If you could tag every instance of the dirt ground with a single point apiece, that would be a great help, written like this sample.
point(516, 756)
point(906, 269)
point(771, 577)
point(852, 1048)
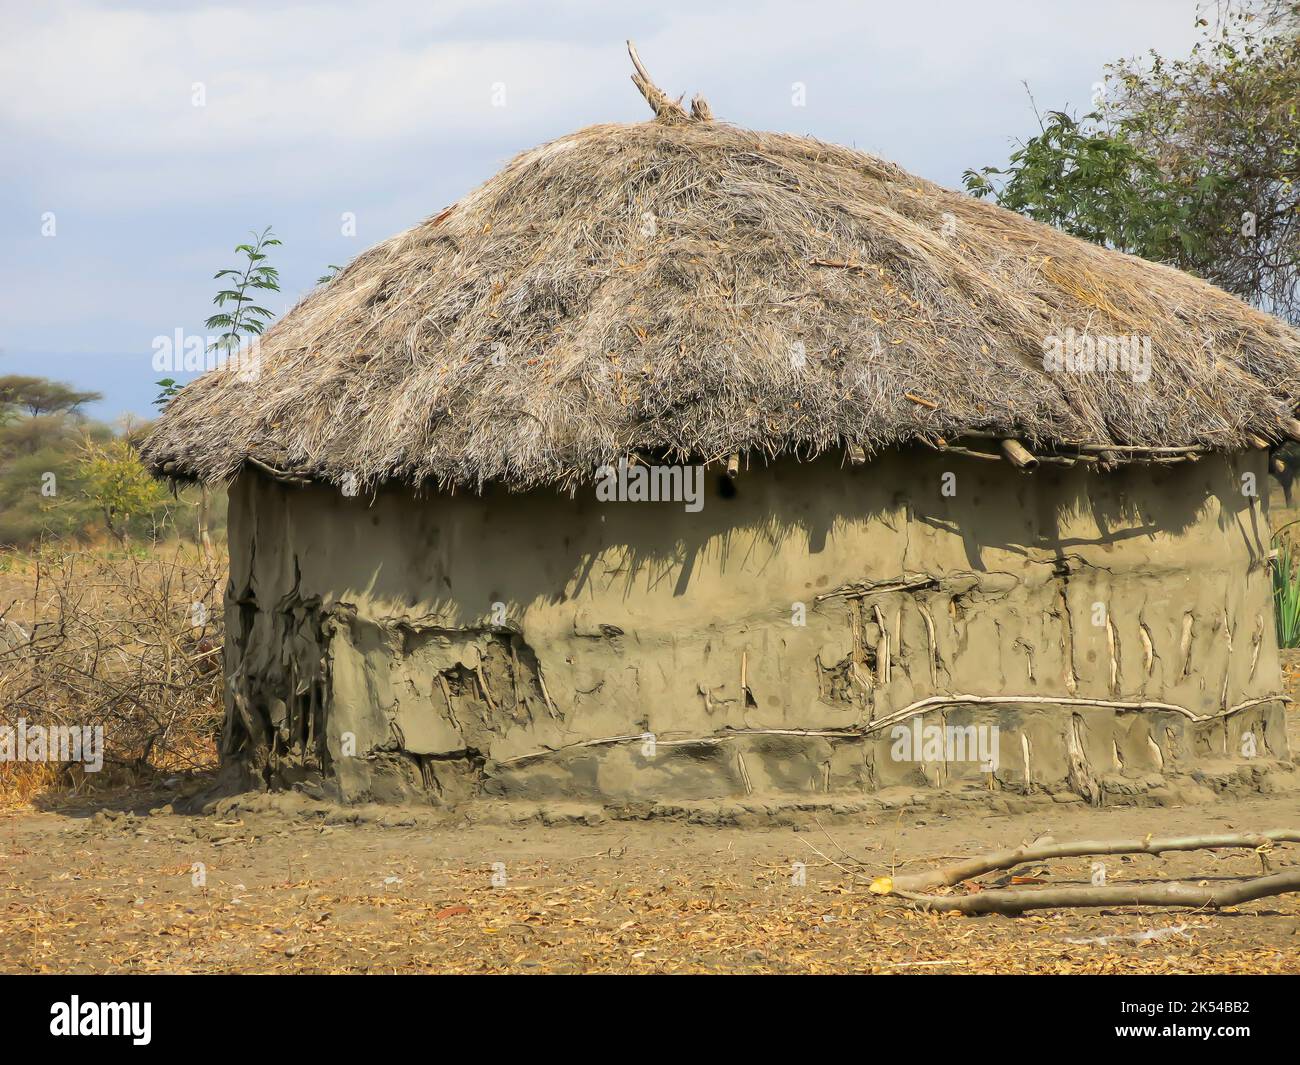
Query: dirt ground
point(120, 883)
point(93, 889)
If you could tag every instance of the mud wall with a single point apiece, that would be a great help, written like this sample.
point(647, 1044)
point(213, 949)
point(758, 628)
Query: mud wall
point(397, 648)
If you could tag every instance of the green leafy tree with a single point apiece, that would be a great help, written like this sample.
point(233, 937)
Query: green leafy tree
point(1224, 126)
point(1194, 162)
point(41, 496)
point(245, 318)
point(28, 435)
point(169, 387)
point(242, 317)
point(117, 484)
point(1080, 178)
point(45, 486)
point(41, 428)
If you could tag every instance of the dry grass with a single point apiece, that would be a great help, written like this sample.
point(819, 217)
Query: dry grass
point(687, 290)
point(132, 642)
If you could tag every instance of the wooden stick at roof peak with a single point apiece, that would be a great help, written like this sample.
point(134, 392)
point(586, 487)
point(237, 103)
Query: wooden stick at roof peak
point(665, 109)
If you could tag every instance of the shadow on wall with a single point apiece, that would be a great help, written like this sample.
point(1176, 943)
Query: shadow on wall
point(524, 549)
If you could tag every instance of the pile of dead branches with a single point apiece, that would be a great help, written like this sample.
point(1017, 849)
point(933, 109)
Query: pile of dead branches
point(130, 642)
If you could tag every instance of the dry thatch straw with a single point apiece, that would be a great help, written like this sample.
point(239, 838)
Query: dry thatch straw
point(689, 290)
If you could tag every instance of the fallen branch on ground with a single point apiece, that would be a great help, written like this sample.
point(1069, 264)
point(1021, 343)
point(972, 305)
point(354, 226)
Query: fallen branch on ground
point(1175, 894)
point(913, 886)
point(948, 875)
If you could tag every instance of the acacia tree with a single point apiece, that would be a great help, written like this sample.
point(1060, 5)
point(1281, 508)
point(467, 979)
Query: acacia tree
point(36, 412)
point(40, 396)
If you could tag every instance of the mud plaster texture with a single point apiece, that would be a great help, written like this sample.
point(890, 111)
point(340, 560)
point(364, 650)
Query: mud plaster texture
point(519, 647)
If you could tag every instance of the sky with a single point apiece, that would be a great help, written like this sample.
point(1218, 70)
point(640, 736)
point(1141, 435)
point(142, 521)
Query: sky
point(140, 142)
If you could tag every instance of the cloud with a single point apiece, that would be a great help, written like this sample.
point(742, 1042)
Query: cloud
point(388, 109)
point(119, 81)
point(124, 81)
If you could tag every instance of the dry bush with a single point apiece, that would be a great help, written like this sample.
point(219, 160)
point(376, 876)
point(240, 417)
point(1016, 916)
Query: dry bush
point(132, 642)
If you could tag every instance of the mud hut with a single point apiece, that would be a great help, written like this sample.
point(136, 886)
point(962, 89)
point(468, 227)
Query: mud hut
point(683, 462)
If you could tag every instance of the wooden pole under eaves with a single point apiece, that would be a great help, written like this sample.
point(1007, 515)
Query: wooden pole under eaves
point(1018, 455)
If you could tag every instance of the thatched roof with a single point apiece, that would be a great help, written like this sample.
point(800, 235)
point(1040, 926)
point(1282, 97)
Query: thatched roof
point(689, 290)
